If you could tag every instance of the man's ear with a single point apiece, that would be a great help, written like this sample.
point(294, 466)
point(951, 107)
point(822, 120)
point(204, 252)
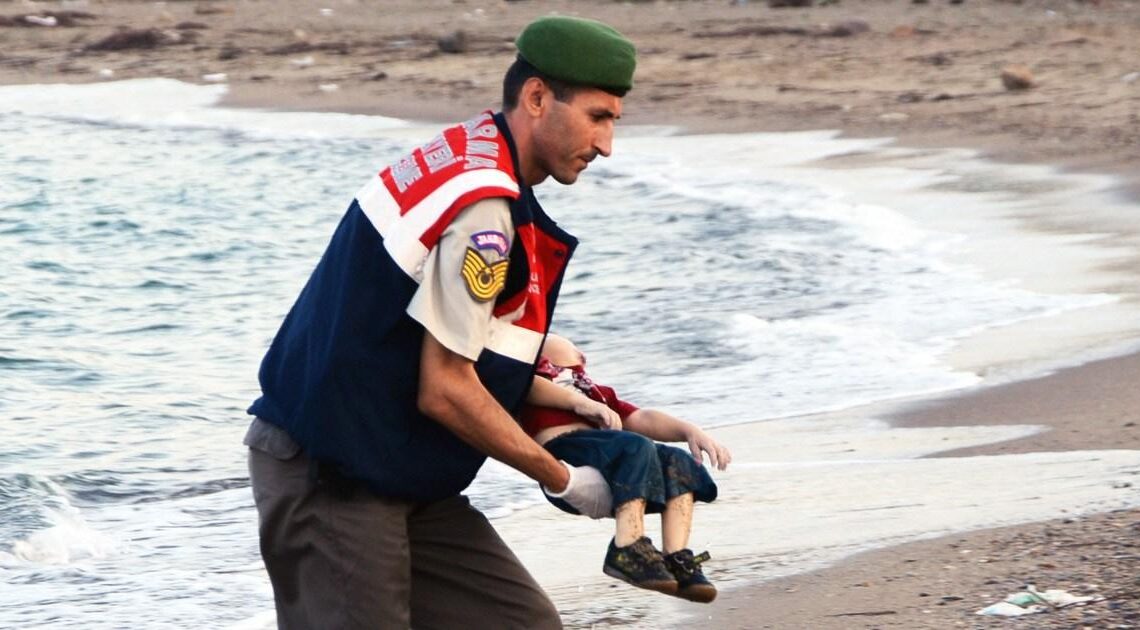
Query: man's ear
point(533, 96)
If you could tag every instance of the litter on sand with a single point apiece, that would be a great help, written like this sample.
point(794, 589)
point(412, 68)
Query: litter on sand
point(1032, 601)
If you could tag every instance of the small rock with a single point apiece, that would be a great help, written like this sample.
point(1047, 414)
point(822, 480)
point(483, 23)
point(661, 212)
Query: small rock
point(69, 68)
point(217, 77)
point(328, 87)
point(454, 43)
point(847, 28)
point(1017, 77)
point(229, 52)
point(136, 39)
point(938, 59)
point(303, 62)
point(781, 4)
point(379, 76)
point(1131, 77)
point(47, 18)
point(41, 21)
point(291, 48)
point(191, 26)
point(909, 97)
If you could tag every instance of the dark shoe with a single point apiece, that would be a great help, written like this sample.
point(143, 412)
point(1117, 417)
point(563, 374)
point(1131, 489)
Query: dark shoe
point(691, 583)
point(641, 565)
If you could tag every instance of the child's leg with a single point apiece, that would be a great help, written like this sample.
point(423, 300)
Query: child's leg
point(677, 522)
point(632, 557)
point(629, 520)
point(686, 481)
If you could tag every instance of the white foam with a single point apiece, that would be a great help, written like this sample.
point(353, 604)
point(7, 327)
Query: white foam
point(69, 539)
point(264, 620)
point(169, 103)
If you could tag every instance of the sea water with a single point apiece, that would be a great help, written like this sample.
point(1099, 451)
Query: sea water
point(151, 244)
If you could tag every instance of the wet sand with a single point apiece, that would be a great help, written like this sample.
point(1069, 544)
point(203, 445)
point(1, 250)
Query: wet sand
point(941, 583)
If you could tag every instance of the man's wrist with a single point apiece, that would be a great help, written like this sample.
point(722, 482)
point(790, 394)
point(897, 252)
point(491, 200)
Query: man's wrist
point(562, 480)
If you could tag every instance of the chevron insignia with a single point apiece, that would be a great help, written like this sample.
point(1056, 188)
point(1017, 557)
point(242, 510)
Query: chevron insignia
point(484, 281)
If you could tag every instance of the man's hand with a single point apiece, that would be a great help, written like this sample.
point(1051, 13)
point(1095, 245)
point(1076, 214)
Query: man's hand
point(699, 442)
point(597, 413)
point(587, 491)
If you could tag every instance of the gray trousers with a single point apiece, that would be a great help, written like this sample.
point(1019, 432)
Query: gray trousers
point(340, 557)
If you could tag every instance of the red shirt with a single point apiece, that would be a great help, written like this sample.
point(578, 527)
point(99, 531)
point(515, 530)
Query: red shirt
point(534, 419)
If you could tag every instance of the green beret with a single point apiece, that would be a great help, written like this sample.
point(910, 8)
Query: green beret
point(579, 51)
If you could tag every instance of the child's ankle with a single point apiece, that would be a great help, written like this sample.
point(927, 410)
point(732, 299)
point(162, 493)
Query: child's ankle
point(625, 539)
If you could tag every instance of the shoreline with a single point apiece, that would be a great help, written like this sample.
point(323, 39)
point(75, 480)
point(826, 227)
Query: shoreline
point(941, 582)
point(1083, 409)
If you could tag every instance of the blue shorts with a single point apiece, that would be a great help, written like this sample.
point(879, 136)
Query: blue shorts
point(635, 466)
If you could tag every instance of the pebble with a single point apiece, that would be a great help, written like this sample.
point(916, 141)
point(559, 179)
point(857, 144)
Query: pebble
point(1017, 77)
point(41, 21)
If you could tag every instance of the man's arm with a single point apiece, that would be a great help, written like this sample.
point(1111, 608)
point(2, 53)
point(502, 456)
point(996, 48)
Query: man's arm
point(455, 308)
point(451, 394)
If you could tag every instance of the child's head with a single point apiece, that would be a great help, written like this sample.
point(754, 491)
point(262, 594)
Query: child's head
point(562, 352)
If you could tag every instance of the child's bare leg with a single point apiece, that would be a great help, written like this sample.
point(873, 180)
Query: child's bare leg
point(677, 522)
point(630, 518)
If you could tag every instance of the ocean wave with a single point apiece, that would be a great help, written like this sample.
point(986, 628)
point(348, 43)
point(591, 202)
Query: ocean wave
point(42, 526)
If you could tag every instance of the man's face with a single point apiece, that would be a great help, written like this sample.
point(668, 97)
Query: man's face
point(571, 134)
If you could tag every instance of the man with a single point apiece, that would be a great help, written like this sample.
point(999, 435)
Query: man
point(394, 374)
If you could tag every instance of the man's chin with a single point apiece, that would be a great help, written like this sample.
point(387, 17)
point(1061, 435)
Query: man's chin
point(566, 178)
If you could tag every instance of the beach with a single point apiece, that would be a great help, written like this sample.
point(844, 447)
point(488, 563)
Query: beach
point(927, 75)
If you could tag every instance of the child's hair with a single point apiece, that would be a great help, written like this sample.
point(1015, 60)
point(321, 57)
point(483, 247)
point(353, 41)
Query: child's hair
point(562, 352)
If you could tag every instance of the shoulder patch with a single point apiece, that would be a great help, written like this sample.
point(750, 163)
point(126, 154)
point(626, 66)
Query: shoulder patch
point(483, 281)
point(491, 239)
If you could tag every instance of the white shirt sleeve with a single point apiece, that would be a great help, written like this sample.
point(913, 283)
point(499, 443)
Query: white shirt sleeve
point(462, 276)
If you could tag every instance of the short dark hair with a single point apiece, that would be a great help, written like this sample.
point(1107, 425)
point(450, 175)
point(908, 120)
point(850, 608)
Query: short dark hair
point(521, 70)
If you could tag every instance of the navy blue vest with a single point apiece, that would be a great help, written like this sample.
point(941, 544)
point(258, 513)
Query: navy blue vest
point(341, 376)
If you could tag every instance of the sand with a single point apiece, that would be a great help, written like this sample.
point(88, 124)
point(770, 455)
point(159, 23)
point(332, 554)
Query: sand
point(941, 583)
point(926, 73)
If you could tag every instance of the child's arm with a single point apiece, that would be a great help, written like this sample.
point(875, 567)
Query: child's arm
point(544, 393)
point(663, 427)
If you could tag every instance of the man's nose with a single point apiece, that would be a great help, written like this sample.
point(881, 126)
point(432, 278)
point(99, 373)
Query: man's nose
point(604, 139)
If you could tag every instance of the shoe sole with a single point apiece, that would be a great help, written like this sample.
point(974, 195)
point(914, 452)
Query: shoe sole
point(668, 587)
point(700, 593)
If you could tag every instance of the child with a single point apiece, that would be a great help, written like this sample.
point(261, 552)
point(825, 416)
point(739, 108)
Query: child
point(582, 423)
